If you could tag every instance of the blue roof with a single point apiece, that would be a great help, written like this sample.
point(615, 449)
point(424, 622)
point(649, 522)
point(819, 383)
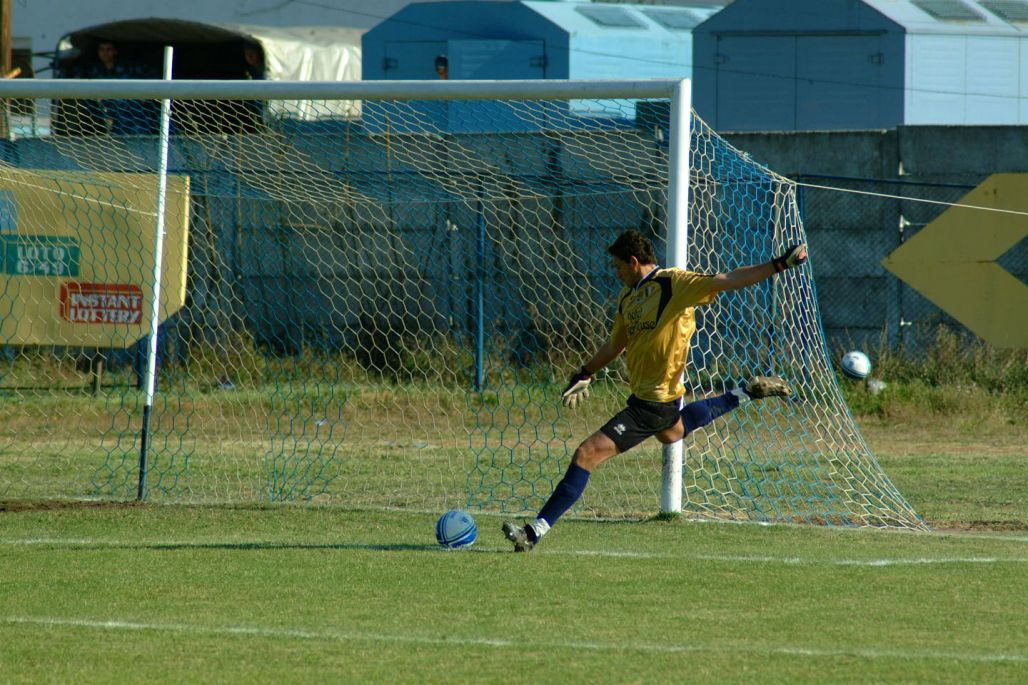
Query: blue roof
point(941, 17)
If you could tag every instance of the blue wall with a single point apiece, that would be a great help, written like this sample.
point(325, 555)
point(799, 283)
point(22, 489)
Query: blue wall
point(785, 65)
point(529, 39)
point(520, 40)
point(405, 45)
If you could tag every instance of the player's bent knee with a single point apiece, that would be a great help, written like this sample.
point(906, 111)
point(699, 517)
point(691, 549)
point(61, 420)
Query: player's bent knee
point(587, 460)
point(594, 452)
point(582, 458)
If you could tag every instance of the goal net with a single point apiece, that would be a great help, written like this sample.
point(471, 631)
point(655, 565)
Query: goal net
point(372, 299)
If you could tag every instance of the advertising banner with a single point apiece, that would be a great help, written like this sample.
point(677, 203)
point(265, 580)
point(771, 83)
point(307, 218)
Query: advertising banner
point(77, 256)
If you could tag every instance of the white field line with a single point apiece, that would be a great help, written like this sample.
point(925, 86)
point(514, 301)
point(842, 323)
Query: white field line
point(727, 558)
point(800, 560)
point(964, 535)
point(473, 641)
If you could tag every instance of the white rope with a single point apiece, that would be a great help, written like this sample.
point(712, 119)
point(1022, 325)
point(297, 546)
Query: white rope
point(913, 199)
point(10, 180)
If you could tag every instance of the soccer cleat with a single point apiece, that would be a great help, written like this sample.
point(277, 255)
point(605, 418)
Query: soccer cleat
point(518, 534)
point(760, 387)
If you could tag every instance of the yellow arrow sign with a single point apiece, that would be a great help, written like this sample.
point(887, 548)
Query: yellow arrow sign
point(952, 261)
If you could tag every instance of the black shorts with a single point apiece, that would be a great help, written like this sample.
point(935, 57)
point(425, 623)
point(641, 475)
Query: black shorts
point(639, 420)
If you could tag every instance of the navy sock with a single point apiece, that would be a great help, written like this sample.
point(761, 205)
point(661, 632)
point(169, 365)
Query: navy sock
point(698, 414)
point(567, 492)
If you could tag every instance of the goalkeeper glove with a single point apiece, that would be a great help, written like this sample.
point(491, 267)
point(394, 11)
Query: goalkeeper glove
point(577, 389)
point(794, 256)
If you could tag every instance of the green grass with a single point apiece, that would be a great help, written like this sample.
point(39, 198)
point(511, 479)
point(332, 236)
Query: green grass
point(170, 593)
point(951, 375)
point(199, 594)
point(954, 478)
point(964, 490)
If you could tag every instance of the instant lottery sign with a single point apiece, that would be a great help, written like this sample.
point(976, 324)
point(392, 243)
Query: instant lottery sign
point(77, 255)
point(101, 303)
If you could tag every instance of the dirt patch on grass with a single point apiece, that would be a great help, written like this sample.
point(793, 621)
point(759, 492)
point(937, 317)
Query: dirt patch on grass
point(980, 527)
point(19, 506)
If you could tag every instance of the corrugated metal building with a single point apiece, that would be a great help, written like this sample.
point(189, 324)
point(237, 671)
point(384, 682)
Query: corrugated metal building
point(764, 65)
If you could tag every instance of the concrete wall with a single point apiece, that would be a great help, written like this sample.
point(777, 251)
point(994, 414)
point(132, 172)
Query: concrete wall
point(850, 233)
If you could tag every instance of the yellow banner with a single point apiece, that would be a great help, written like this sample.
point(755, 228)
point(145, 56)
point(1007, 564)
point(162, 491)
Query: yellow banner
point(78, 255)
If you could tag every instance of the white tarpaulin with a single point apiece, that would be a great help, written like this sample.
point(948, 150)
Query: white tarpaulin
point(314, 53)
point(310, 54)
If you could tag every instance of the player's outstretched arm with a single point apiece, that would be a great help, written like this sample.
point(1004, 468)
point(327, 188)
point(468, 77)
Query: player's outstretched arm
point(748, 275)
point(578, 387)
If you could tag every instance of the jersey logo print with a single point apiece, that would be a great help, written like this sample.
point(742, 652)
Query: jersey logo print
point(640, 311)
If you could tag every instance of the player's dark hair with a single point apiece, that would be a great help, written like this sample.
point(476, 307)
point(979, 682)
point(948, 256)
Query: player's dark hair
point(632, 243)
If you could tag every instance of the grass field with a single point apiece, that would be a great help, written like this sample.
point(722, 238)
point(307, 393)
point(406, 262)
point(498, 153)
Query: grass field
point(291, 594)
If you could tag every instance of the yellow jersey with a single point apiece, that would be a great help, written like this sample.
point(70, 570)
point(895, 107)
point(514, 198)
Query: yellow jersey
point(655, 321)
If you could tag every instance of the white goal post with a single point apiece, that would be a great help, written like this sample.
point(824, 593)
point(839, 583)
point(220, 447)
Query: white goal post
point(377, 308)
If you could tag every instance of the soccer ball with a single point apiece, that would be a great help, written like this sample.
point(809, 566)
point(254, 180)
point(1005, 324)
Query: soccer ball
point(856, 365)
point(456, 529)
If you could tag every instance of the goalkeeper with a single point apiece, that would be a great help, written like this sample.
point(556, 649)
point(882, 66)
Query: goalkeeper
point(654, 323)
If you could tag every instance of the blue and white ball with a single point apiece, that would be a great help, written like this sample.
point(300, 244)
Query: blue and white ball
point(456, 529)
point(856, 365)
